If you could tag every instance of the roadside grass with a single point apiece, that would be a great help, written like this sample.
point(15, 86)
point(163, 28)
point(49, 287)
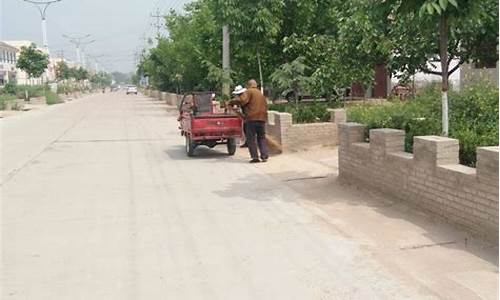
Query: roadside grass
point(52, 98)
point(34, 91)
point(4, 99)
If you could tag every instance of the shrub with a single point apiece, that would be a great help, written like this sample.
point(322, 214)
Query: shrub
point(473, 117)
point(306, 112)
point(52, 98)
point(9, 88)
point(65, 89)
point(4, 99)
point(33, 91)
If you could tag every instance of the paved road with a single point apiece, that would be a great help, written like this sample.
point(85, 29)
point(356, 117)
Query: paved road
point(100, 202)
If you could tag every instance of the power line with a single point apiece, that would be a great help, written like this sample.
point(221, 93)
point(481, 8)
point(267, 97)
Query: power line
point(158, 23)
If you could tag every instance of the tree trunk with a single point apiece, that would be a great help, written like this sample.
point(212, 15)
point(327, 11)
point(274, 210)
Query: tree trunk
point(443, 51)
point(296, 96)
point(226, 67)
point(260, 72)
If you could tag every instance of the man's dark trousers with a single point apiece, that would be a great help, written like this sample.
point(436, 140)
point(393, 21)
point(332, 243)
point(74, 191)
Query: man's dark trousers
point(256, 136)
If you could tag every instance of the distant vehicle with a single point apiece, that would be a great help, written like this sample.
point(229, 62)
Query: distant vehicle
point(131, 90)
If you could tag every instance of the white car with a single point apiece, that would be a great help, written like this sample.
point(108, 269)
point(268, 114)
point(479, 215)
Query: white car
point(131, 90)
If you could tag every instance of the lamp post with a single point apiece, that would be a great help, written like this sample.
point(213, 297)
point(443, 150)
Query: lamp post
point(42, 8)
point(79, 41)
point(83, 44)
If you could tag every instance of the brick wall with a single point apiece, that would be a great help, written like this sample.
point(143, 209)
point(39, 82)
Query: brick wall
point(294, 137)
point(154, 94)
point(163, 96)
point(169, 98)
point(172, 99)
point(430, 178)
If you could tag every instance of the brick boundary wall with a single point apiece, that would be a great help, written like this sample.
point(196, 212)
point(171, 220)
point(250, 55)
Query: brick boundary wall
point(293, 137)
point(431, 177)
point(169, 98)
point(172, 99)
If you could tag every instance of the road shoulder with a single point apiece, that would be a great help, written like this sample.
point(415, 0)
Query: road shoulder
point(415, 248)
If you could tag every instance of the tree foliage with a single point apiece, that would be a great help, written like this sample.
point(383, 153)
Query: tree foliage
point(291, 77)
point(32, 61)
point(339, 41)
point(101, 79)
point(62, 71)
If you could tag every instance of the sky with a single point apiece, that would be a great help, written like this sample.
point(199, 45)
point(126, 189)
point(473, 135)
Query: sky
point(120, 27)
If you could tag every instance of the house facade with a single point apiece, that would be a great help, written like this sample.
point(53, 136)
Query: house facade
point(472, 72)
point(8, 59)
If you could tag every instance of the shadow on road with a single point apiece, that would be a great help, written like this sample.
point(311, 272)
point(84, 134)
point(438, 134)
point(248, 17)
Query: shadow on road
point(178, 152)
point(350, 204)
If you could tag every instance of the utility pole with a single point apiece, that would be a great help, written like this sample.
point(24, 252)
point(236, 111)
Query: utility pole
point(61, 54)
point(226, 67)
point(42, 8)
point(96, 62)
point(158, 23)
point(79, 42)
point(83, 44)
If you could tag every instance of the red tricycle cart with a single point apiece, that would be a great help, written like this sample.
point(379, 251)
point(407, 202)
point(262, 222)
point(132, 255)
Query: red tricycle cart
point(202, 124)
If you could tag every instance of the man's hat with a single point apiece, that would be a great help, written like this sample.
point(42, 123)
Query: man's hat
point(238, 90)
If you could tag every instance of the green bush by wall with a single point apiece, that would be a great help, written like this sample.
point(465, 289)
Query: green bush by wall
point(473, 117)
point(306, 112)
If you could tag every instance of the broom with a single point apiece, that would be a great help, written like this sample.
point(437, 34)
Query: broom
point(273, 144)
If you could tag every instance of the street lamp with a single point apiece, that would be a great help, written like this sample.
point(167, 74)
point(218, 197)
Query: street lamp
point(83, 44)
point(96, 62)
point(79, 41)
point(42, 8)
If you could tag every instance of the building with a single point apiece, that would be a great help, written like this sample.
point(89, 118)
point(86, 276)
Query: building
point(22, 77)
point(8, 60)
point(473, 71)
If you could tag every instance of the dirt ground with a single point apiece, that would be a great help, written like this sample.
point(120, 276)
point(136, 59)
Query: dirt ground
point(423, 252)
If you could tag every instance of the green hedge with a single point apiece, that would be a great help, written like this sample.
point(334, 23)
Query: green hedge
point(306, 112)
point(473, 117)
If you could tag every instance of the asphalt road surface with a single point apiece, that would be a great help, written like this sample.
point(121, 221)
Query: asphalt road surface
point(99, 201)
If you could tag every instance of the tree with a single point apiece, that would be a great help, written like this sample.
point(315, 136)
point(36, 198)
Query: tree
point(32, 61)
point(339, 41)
point(62, 71)
point(448, 30)
point(81, 74)
point(101, 79)
point(121, 77)
point(290, 77)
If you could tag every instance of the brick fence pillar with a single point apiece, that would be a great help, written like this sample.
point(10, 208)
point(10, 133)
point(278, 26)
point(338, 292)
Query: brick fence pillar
point(337, 115)
point(283, 121)
point(351, 133)
point(487, 165)
point(431, 151)
point(386, 140)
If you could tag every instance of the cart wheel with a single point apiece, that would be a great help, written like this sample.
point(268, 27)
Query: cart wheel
point(231, 146)
point(189, 146)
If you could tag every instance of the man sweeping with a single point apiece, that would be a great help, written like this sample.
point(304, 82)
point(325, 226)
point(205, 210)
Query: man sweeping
point(254, 106)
